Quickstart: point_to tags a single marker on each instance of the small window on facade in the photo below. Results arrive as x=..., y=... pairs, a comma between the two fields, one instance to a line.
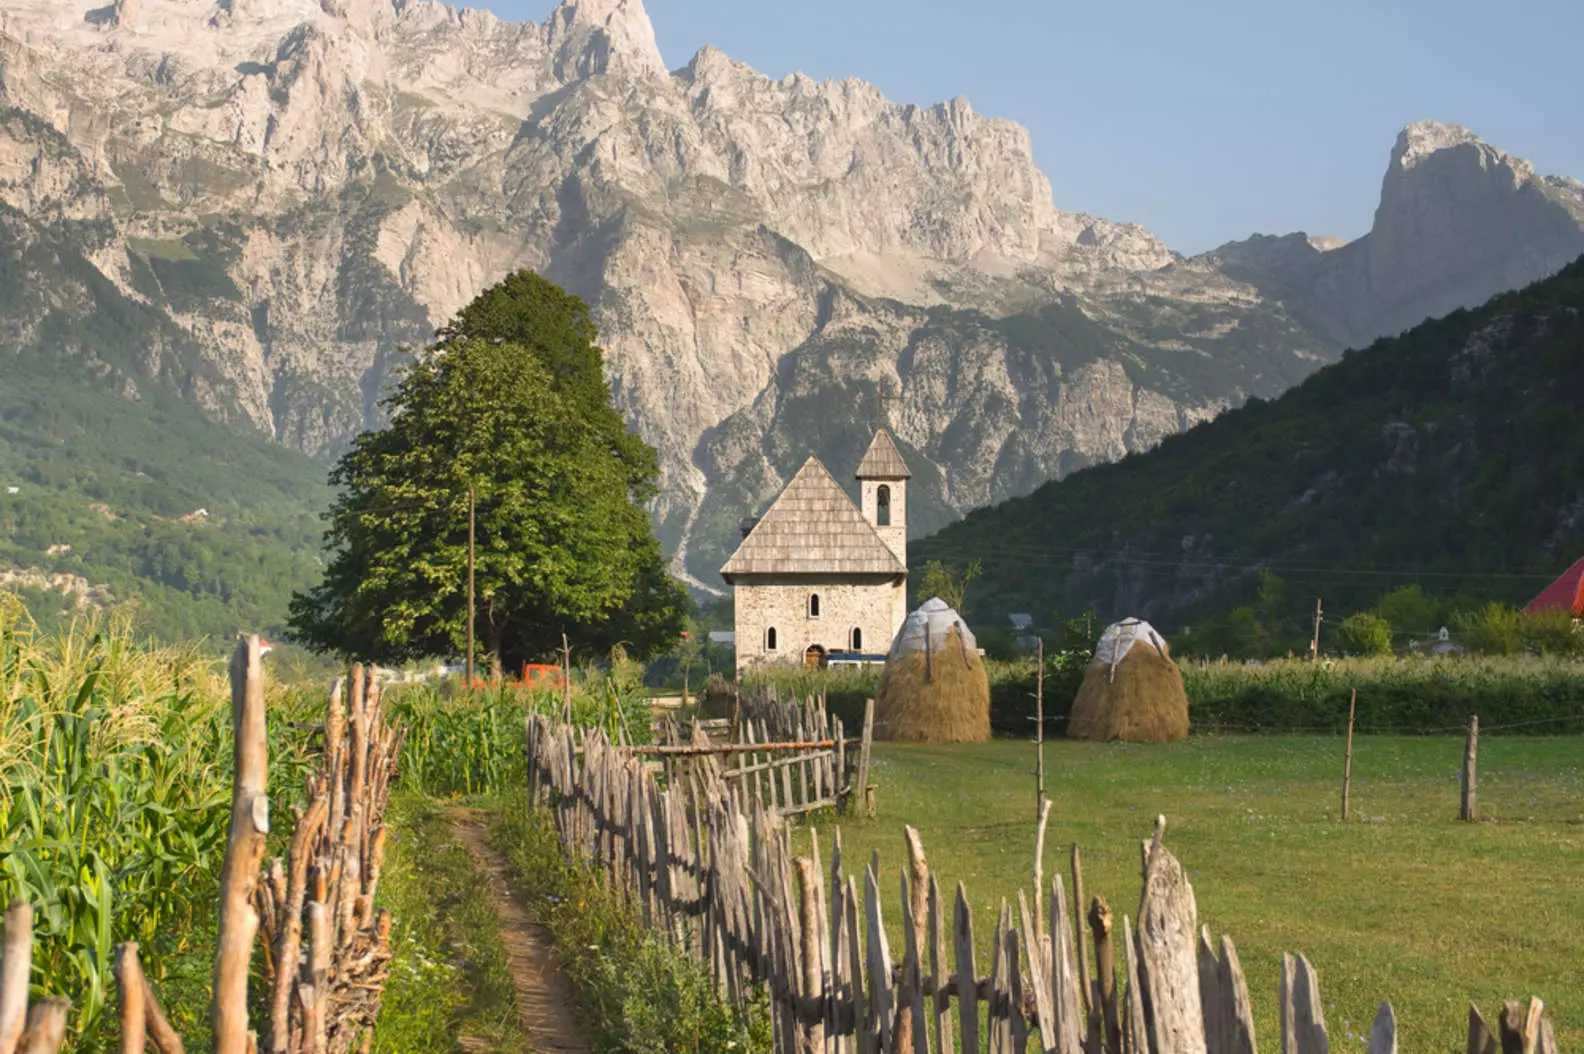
x=813, y=605
x=883, y=506
x=770, y=641
x=857, y=639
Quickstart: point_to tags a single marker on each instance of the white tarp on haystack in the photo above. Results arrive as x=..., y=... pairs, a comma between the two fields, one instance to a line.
x=935, y=617
x=1120, y=636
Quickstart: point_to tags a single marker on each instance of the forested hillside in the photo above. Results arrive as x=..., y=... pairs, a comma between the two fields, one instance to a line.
x=105, y=461
x=1451, y=456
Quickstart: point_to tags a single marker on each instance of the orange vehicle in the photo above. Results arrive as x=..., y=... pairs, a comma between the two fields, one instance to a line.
x=539, y=675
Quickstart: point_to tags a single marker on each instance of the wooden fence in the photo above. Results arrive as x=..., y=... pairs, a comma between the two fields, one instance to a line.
x=792, y=758
x=325, y=990
x=707, y=858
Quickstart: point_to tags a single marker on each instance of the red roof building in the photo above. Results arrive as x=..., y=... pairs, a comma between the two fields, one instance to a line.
x=1566, y=592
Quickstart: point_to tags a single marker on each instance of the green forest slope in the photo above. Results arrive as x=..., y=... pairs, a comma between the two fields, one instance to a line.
x=1451, y=456
x=102, y=455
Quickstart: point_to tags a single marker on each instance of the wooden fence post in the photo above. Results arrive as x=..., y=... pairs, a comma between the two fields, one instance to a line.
x=239, y=876
x=1039, y=736
x=1080, y=947
x=861, y=787
x=1105, y=968
x=16, y=964
x=1347, y=761
x=1470, y=810
x=130, y=988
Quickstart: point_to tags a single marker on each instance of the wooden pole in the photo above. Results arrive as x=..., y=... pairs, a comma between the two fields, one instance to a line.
x=1039, y=869
x=130, y=988
x=566, y=679
x=470, y=602
x=862, y=788
x=166, y=1039
x=1105, y=967
x=46, y=1027
x=239, y=876
x=1470, y=810
x=16, y=966
x=1314, y=645
x=1347, y=761
x=1080, y=943
x=1039, y=744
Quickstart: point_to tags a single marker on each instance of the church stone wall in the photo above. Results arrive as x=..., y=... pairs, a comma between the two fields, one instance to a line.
x=877, y=608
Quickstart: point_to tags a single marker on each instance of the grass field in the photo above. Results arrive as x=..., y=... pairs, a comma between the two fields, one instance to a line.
x=1405, y=903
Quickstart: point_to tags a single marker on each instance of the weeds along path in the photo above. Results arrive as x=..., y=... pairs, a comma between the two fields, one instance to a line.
x=544, y=993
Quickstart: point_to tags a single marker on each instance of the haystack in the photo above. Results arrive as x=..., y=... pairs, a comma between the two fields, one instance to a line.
x=934, y=688
x=1132, y=691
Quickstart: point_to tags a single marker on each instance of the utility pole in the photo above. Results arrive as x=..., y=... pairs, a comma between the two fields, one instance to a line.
x=471, y=504
x=1039, y=731
x=1314, y=645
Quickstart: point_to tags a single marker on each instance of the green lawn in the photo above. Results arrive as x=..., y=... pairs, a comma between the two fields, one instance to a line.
x=1404, y=903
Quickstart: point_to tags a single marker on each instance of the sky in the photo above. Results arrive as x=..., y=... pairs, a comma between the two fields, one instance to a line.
x=1205, y=121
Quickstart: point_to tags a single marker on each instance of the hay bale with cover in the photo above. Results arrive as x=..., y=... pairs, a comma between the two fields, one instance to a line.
x=934, y=688
x=1132, y=690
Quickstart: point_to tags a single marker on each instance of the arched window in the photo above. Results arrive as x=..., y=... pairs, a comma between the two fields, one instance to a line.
x=857, y=639
x=813, y=605
x=883, y=506
x=770, y=641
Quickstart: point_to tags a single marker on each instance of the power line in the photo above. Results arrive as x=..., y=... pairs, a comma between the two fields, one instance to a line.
x=1054, y=557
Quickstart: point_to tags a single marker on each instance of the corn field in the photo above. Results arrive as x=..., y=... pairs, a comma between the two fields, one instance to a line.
x=115, y=789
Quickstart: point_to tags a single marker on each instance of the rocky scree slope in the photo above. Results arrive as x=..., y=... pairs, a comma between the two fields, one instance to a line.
x=301, y=189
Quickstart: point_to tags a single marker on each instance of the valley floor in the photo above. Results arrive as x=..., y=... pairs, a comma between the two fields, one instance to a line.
x=1403, y=903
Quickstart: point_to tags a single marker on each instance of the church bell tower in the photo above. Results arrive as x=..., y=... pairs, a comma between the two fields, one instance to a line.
x=883, y=475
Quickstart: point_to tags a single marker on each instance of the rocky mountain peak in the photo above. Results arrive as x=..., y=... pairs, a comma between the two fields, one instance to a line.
x=1424, y=142
x=590, y=37
x=1420, y=139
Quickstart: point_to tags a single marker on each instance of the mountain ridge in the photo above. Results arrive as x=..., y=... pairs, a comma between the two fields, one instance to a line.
x=1447, y=456
x=304, y=188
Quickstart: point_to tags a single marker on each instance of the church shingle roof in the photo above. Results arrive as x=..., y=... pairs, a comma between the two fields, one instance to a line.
x=813, y=528
x=884, y=460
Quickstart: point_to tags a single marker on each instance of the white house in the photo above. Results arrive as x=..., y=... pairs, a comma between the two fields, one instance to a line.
x=816, y=574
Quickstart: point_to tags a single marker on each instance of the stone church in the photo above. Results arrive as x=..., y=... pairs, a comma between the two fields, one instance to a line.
x=816, y=575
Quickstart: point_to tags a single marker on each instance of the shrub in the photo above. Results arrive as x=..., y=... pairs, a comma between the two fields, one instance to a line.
x=1494, y=629
x=1365, y=633
x=1552, y=632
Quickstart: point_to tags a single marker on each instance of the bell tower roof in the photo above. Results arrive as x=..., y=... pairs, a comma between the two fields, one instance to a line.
x=883, y=460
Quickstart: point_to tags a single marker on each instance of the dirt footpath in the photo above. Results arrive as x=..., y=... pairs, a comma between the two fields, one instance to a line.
x=544, y=994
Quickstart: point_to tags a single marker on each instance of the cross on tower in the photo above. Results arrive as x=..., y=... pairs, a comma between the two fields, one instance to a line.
x=880, y=398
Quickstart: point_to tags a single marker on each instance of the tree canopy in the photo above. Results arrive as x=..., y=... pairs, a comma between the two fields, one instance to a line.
x=510, y=404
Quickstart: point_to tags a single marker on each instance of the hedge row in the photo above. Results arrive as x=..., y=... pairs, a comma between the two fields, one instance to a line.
x=1520, y=694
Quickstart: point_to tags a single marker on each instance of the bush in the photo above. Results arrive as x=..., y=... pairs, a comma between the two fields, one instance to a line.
x=1366, y=634
x=1552, y=632
x=1494, y=629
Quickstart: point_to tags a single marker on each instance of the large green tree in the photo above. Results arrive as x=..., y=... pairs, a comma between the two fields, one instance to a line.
x=509, y=405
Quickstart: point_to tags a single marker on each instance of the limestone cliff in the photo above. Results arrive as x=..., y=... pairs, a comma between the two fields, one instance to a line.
x=302, y=188
x=1458, y=221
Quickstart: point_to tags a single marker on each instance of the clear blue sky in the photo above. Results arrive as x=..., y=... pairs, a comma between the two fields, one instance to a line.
x=1205, y=120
